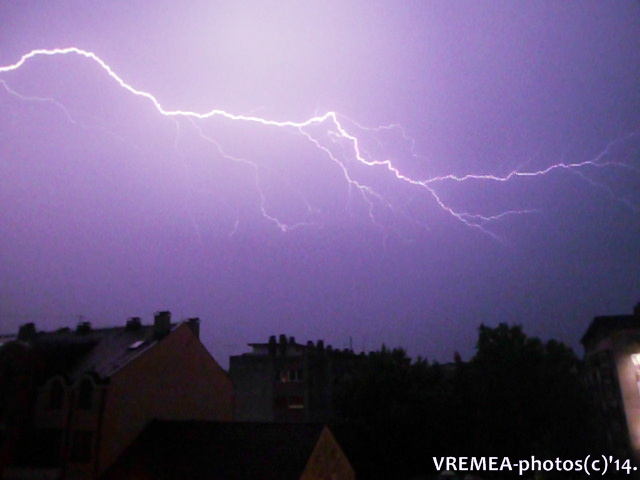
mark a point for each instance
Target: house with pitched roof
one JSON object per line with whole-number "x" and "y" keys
{"x": 71, "y": 401}
{"x": 612, "y": 373}
{"x": 174, "y": 450}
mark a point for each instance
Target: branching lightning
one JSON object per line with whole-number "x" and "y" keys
{"x": 336, "y": 128}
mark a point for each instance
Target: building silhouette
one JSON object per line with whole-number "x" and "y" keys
{"x": 177, "y": 450}
{"x": 612, "y": 373}
{"x": 72, "y": 400}
{"x": 285, "y": 381}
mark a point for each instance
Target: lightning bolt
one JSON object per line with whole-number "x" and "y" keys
{"x": 336, "y": 129}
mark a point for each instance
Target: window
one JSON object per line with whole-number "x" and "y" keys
{"x": 280, "y": 403}
{"x": 136, "y": 345}
{"x": 296, "y": 402}
{"x": 291, "y": 375}
{"x": 81, "y": 446}
{"x": 56, "y": 395}
{"x": 85, "y": 396}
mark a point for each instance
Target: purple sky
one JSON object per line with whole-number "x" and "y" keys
{"x": 110, "y": 209}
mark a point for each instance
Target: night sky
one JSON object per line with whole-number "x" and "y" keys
{"x": 337, "y": 230}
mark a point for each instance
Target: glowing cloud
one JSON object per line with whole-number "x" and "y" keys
{"x": 335, "y": 127}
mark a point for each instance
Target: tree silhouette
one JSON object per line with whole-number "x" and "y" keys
{"x": 518, "y": 396}
{"x": 529, "y": 399}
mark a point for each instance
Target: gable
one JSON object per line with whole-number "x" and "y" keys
{"x": 218, "y": 451}
{"x": 328, "y": 460}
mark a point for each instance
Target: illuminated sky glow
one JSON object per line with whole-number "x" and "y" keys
{"x": 246, "y": 178}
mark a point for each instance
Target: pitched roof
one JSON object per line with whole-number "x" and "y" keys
{"x": 219, "y": 451}
{"x": 100, "y": 352}
{"x": 604, "y": 325}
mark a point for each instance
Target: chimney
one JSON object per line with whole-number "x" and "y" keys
{"x": 133, "y": 324}
{"x": 83, "y": 328}
{"x": 194, "y": 325}
{"x": 282, "y": 341}
{"x": 292, "y": 340}
{"x": 636, "y": 311}
{"x": 320, "y": 345}
{"x": 27, "y": 331}
{"x": 272, "y": 345}
{"x": 161, "y": 324}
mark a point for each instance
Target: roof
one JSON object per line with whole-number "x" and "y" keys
{"x": 290, "y": 345}
{"x": 604, "y": 325}
{"x": 219, "y": 451}
{"x": 100, "y": 352}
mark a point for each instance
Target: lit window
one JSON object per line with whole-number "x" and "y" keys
{"x": 136, "y": 345}
{"x": 85, "y": 396}
{"x": 290, "y": 375}
{"x": 296, "y": 402}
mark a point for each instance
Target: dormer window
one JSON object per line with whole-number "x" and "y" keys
{"x": 135, "y": 345}
{"x": 85, "y": 395}
{"x": 56, "y": 395}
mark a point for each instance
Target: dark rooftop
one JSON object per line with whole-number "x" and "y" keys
{"x": 72, "y": 353}
{"x": 219, "y": 451}
{"x": 604, "y": 325}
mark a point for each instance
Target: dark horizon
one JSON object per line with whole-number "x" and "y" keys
{"x": 503, "y": 185}
{"x": 304, "y": 341}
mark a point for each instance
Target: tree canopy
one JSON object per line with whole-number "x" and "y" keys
{"x": 518, "y": 396}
